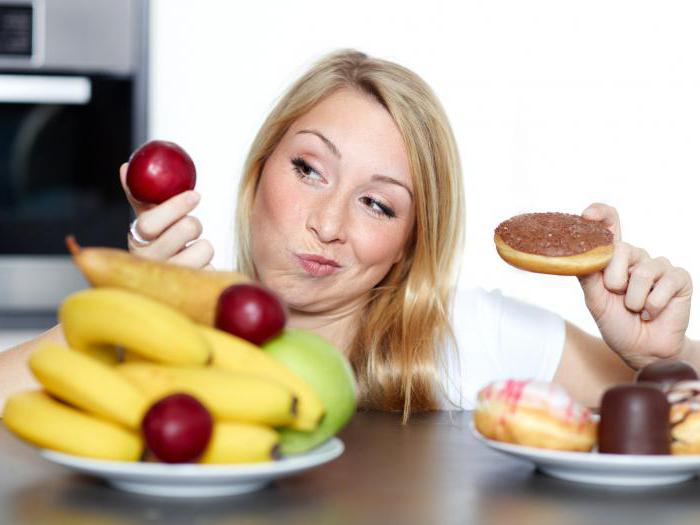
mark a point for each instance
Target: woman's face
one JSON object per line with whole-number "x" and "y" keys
{"x": 334, "y": 207}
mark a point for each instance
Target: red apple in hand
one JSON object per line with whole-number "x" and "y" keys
{"x": 159, "y": 170}
{"x": 177, "y": 428}
{"x": 251, "y": 312}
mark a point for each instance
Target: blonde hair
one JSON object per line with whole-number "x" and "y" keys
{"x": 396, "y": 352}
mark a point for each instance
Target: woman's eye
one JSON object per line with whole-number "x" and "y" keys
{"x": 304, "y": 170}
{"x": 378, "y": 208}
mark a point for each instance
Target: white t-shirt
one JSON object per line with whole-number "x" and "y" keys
{"x": 498, "y": 338}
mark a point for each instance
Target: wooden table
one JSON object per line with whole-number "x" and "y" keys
{"x": 430, "y": 471}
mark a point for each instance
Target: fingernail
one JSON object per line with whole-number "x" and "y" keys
{"x": 192, "y": 197}
{"x": 645, "y": 315}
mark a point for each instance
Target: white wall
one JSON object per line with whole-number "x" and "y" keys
{"x": 555, "y": 105}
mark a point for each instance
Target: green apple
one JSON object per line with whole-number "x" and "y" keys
{"x": 328, "y": 372}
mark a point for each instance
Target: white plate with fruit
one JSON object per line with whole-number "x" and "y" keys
{"x": 218, "y": 404}
{"x": 195, "y": 480}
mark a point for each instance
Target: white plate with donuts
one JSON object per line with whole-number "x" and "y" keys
{"x": 629, "y": 470}
{"x": 540, "y": 422}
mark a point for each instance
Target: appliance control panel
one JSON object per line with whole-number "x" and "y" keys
{"x": 16, "y": 30}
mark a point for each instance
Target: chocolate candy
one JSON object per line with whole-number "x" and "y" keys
{"x": 667, "y": 372}
{"x": 634, "y": 419}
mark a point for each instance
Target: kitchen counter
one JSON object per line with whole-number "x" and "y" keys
{"x": 431, "y": 471}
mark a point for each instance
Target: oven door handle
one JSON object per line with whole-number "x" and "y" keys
{"x": 44, "y": 89}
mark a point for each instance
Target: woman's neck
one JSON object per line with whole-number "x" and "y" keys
{"x": 338, "y": 326}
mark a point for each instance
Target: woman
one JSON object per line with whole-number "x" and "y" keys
{"x": 351, "y": 209}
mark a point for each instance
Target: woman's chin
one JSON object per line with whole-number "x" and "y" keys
{"x": 303, "y": 304}
{"x": 306, "y": 302}
{"x": 290, "y": 290}
{"x": 302, "y": 294}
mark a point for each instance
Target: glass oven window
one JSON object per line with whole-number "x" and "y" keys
{"x": 59, "y": 171}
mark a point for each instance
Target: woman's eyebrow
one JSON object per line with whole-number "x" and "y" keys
{"x": 392, "y": 180}
{"x": 331, "y": 146}
{"x": 334, "y": 150}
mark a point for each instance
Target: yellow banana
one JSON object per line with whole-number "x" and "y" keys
{"x": 110, "y": 316}
{"x": 131, "y": 357}
{"x": 154, "y": 381}
{"x": 241, "y": 443}
{"x": 228, "y": 395}
{"x": 47, "y": 423}
{"x": 106, "y": 354}
{"x": 238, "y": 355}
{"x": 89, "y": 384}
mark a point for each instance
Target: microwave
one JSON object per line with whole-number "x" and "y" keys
{"x": 73, "y": 81}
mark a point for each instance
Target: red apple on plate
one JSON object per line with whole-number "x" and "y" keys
{"x": 251, "y": 312}
{"x": 159, "y": 170}
{"x": 177, "y": 428}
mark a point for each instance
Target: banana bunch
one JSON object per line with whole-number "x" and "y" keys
{"x": 125, "y": 352}
{"x": 229, "y": 396}
{"x": 238, "y": 355}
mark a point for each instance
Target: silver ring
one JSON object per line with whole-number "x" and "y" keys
{"x": 135, "y": 237}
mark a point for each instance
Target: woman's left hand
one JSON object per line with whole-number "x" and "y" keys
{"x": 640, "y": 304}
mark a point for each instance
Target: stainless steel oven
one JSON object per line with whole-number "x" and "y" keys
{"x": 72, "y": 107}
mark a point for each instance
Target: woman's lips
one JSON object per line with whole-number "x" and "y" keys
{"x": 316, "y": 265}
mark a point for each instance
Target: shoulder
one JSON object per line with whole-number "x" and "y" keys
{"x": 476, "y": 309}
{"x": 499, "y": 337}
{"x": 496, "y": 309}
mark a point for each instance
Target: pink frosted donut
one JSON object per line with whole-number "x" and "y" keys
{"x": 534, "y": 414}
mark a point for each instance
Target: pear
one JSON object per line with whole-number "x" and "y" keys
{"x": 194, "y": 292}
{"x": 328, "y": 372}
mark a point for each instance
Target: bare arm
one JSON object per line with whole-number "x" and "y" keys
{"x": 588, "y": 367}
{"x": 14, "y": 372}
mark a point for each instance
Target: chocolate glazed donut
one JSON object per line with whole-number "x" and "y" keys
{"x": 554, "y": 243}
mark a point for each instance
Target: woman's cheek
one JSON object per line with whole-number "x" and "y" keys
{"x": 279, "y": 202}
{"x": 378, "y": 245}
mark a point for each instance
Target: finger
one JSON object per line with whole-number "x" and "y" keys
{"x": 594, "y": 293}
{"x": 616, "y": 274}
{"x": 643, "y": 277}
{"x": 607, "y": 215}
{"x": 674, "y": 283}
{"x": 136, "y": 247}
{"x": 174, "y": 239}
{"x": 153, "y": 222}
{"x": 197, "y": 255}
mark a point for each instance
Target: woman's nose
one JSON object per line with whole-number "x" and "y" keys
{"x": 327, "y": 220}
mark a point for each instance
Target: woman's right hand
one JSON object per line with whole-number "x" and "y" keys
{"x": 172, "y": 234}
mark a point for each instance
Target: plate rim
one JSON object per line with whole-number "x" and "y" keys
{"x": 534, "y": 454}
{"x": 324, "y": 453}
